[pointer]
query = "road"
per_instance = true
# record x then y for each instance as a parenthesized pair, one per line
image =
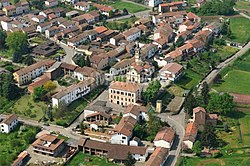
(70, 52)
(178, 124)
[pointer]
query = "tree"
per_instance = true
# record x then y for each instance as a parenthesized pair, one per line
(82, 128)
(50, 86)
(3, 37)
(17, 42)
(153, 124)
(111, 14)
(197, 147)
(8, 88)
(220, 103)
(88, 63)
(180, 41)
(130, 161)
(61, 110)
(125, 11)
(208, 137)
(152, 90)
(39, 93)
(28, 60)
(189, 104)
(204, 93)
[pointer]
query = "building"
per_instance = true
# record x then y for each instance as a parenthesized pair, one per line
(43, 26)
(121, 67)
(123, 131)
(83, 6)
(26, 75)
(199, 117)
(99, 61)
(20, 159)
(124, 93)
(132, 34)
(171, 71)
(73, 92)
(172, 7)
(9, 123)
(153, 3)
(165, 138)
(9, 10)
(113, 152)
(158, 157)
(137, 112)
(51, 3)
(49, 145)
(4, 3)
(190, 135)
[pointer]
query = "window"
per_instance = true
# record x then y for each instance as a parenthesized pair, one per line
(123, 137)
(122, 93)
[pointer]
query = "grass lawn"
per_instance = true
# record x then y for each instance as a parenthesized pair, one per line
(79, 159)
(240, 28)
(243, 6)
(225, 51)
(236, 81)
(175, 90)
(15, 142)
(189, 80)
(26, 107)
(132, 8)
(130, 21)
(38, 40)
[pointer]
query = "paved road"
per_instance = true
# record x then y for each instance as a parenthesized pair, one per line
(178, 124)
(70, 52)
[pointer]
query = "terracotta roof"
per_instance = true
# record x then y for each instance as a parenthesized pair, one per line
(174, 54)
(82, 4)
(68, 66)
(10, 7)
(41, 141)
(30, 68)
(96, 59)
(125, 86)
(88, 16)
(87, 71)
(135, 109)
(131, 31)
(167, 134)
(172, 67)
(41, 81)
(101, 29)
(123, 63)
(172, 4)
(94, 13)
(9, 119)
(186, 46)
(191, 15)
(104, 114)
(20, 158)
(191, 132)
(212, 116)
(196, 43)
(125, 126)
(198, 109)
(158, 157)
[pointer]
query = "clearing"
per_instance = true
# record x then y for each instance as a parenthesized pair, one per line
(131, 7)
(240, 27)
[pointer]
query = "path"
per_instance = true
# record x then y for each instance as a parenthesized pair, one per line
(139, 4)
(138, 14)
(8, 60)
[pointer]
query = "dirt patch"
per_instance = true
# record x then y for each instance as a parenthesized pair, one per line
(221, 162)
(241, 98)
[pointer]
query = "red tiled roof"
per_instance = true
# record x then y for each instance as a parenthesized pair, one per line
(198, 109)
(167, 134)
(101, 29)
(191, 132)
(126, 86)
(172, 67)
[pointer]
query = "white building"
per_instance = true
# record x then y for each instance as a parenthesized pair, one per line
(83, 6)
(51, 3)
(73, 92)
(8, 124)
(132, 34)
(121, 68)
(171, 71)
(153, 3)
(164, 138)
(42, 27)
(137, 112)
(6, 23)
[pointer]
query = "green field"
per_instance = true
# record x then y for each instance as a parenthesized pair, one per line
(236, 77)
(15, 142)
(189, 80)
(225, 51)
(78, 159)
(240, 28)
(243, 6)
(132, 8)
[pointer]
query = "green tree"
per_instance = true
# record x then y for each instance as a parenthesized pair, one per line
(152, 90)
(125, 11)
(17, 42)
(189, 104)
(197, 147)
(204, 93)
(3, 37)
(8, 89)
(220, 103)
(39, 93)
(130, 161)
(49, 86)
(28, 60)
(111, 14)
(37, 4)
(180, 41)
(87, 62)
(208, 137)
(153, 124)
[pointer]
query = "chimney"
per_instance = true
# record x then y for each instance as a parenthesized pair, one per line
(158, 106)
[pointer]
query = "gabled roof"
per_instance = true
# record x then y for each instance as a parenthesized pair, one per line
(135, 109)
(191, 132)
(172, 67)
(167, 134)
(125, 86)
(126, 126)
(198, 109)
(158, 157)
(9, 119)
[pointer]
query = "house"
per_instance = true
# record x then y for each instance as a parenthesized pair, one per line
(171, 71)
(83, 6)
(153, 3)
(162, 61)
(163, 31)
(89, 18)
(43, 26)
(39, 19)
(198, 45)
(204, 35)
(213, 27)
(105, 10)
(9, 10)
(45, 13)
(99, 61)
(135, 142)
(132, 34)
(48, 144)
(113, 152)
(77, 40)
(186, 50)
(4, 3)
(73, 92)
(185, 35)
(137, 112)
(40, 81)
(89, 72)
(124, 93)
(50, 32)
(20, 159)
(170, 17)
(123, 131)
(8, 124)
(72, 13)
(16, 24)
(165, 138)
(68, 69)
(115, 40)
(172, 7)
(148, 51)
(199, 3)
(102, 118)
(6, 23)
(51, 3)
(31, 72)
(158, 157)
(67, 24)
(193, 17)
(211, 119)
(95, 14)
(190, 135)
(46, 49)
(175, 55)
(121, 67)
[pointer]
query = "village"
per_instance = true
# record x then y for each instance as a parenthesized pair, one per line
(96, 83)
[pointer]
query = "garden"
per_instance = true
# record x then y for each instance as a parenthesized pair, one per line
(15, 142)
(131, 7)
